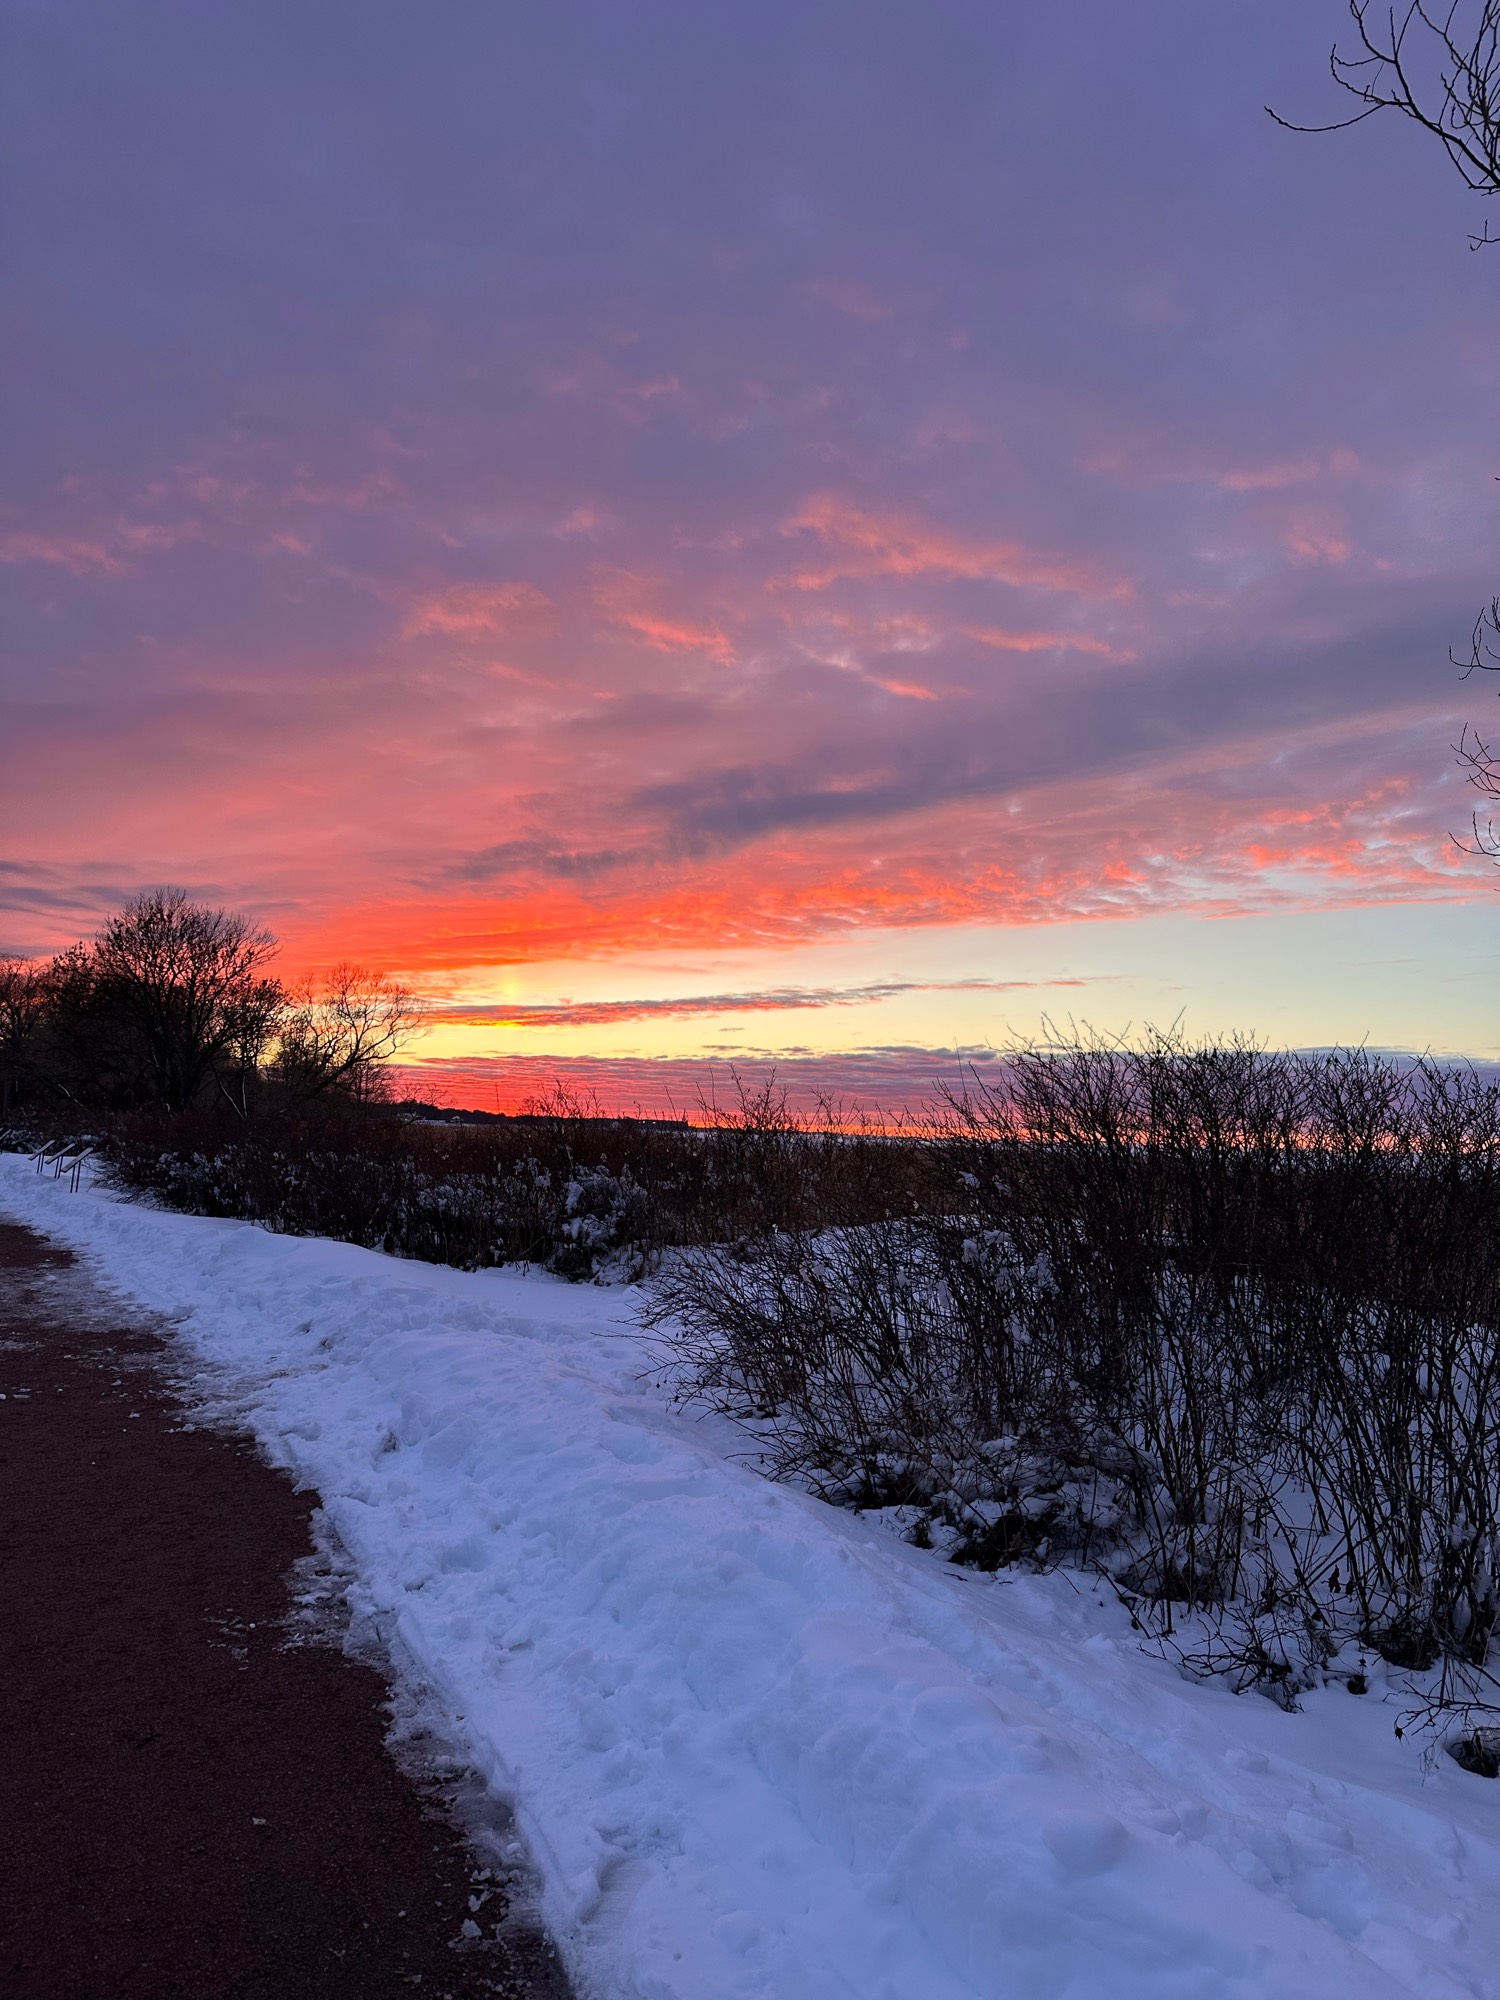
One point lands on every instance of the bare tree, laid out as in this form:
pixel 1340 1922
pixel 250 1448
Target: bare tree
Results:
pixel 172 1004
pixel 22 1007
pixel 86 1053
pixel 183 991
pixel 1439 66
pixel 334 1038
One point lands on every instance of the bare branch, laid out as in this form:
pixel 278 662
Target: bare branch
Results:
pixel 1439 67
pixel 335 1038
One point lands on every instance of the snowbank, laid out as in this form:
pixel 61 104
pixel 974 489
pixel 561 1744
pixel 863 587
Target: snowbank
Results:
pixel 760 1749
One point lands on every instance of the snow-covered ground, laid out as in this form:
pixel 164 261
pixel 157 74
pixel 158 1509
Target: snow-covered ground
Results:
pixel 762 1750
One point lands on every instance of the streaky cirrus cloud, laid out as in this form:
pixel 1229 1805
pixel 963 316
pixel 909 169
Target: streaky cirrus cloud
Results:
pixel 1045 642
pixel 465 610
pixel 76 556
pixel 880 1085
pixel 859 544
pixel 772 1000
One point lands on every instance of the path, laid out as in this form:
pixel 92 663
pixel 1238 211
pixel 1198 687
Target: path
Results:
pixel 190 1807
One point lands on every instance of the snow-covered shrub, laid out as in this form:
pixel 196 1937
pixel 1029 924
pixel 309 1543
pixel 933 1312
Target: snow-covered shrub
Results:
pixel 584 1195
pixel 1225 1324
pixel 605 1228
pixel 435 1195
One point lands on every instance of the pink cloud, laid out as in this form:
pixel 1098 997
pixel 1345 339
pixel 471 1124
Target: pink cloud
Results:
pixel 69 552
pixel 105 551
pixel 677 635
pixel 885 1084
pixel 464 610
pixel 897 632
pixel 1286 472
pixel 625 600
pixel 1044 642
pixel 848 296
pixel 907 690
pixel 1311 535
pixel 893 545
pixel 1156 463
pixel 633 400
pixel 375 490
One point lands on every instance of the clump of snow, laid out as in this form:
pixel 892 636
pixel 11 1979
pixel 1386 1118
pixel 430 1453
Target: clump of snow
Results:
pixel 760 1749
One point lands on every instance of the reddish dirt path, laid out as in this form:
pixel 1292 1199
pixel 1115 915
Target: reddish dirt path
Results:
pixel 190 1808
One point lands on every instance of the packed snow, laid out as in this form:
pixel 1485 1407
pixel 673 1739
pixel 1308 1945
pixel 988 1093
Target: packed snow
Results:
pixel 761 1749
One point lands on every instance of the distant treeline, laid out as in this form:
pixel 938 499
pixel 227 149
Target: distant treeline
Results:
pixel 541 1111
pixel 175 1007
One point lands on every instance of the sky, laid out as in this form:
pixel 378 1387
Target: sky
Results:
pixel 805 535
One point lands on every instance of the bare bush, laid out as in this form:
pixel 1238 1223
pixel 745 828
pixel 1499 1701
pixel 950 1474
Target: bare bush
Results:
pixel 1222 1321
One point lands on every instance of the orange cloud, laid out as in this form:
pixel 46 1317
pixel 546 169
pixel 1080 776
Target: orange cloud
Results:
pixel 1124 853
pixel 892 545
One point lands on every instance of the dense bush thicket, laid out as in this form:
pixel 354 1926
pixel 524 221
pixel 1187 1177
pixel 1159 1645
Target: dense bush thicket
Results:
pixel 584 1195
pixel 1222 1322
pixel 449 1195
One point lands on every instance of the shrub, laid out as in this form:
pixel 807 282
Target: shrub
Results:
pixel 1224 1323
pixel 578 1193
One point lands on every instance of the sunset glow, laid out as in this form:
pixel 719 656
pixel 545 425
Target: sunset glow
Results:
pixel 756 536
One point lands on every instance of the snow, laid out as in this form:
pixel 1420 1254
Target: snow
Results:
pixel 760 1749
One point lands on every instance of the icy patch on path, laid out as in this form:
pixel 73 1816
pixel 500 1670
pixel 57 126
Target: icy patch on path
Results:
pixel 761 1751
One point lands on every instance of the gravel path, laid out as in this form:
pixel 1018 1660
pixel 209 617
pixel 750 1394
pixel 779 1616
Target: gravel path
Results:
pixel 193 1804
